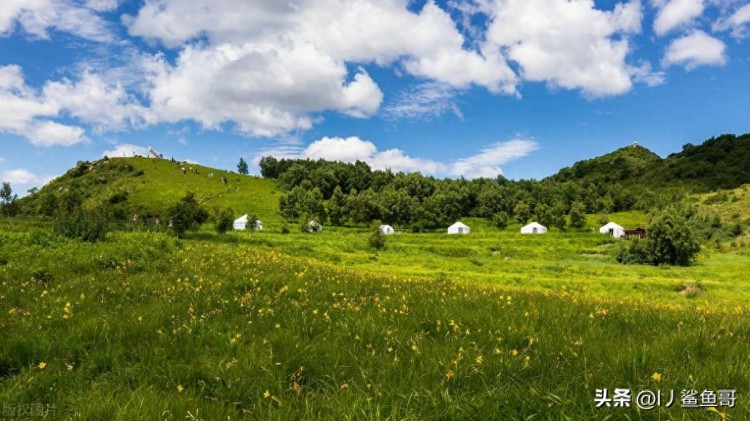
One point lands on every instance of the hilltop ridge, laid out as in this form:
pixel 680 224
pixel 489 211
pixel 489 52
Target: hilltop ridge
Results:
pixel 148 186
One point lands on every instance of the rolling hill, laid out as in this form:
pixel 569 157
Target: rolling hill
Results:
pixel 149 186
pixel 718 163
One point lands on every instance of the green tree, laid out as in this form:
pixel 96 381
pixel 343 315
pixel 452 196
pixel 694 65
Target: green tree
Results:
pixel 577 215
pixel 522 212
pixel 669 240
pixel 242 167
pixel 187 214
pixel 89 226
pixel 500 220
pixel 7 200
pixel 376 239
pixel 338 208
pixel 224 219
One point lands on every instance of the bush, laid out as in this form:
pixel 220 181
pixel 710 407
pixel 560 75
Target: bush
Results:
pixel 187 214
pixel 224 220
pixel 90 226
pixel 285 228
pixel 669 241
pixel 500 220
pixel 377 237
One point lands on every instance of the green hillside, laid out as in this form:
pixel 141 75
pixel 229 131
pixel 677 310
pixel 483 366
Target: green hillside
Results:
pixel 621 165
pixel 718 163
pixel 149 186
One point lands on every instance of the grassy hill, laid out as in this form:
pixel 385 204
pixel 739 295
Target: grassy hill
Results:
pixel 718 163
pixel 149 186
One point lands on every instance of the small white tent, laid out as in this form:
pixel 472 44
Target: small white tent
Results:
pixel 240 223
pixel 458 228
pixel 386 229
pixel 613 230
pixel 534 228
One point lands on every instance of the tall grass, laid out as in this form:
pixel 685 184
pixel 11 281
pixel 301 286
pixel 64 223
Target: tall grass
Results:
pixel 144 327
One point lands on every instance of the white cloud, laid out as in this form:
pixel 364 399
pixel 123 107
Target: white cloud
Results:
pixel 2 159
pixel 694 50
pixel 487 163
pixel 570 45
pixel 27 112
pixel 674 14
pixel 125 150
pixel 50 133
pixel 265 90
pixel 23 177
pixel 737 22
pixel 37 16
pixel 424 101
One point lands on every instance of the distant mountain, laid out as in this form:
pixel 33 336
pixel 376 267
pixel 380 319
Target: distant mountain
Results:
pixel 719 163
pixel 148 186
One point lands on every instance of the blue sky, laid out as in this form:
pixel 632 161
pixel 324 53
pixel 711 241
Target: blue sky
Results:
pixel 450 88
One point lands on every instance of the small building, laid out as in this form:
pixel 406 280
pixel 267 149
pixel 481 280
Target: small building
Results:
pixel 386 229
pixel 458 228
pixel 241 223
pixel 613 229
pixel 534 228
pixel 635 233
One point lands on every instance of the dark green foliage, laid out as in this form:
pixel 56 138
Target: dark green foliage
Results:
pixel 303 201
pixel 376 239
pixel 223 220
pixel 187 214
pixel 669 240
pixel 500 220
pixel 522 212
pixel 242 167
pixel 118 197
pixel 285 228
pixel 338 208
pixel 577 215
pixel 89 226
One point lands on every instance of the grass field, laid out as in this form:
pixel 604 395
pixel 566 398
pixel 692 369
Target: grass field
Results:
pixel 494 325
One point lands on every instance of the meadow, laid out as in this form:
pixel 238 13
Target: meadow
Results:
pixel 261 325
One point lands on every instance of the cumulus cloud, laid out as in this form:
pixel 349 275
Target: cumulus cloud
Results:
pixel 487 163
pixel 570 45
pixel 36 17
pixel 28 112
pixel 24 177
pixel 694 50
pixel 674 14
pixel 125 150
pixel 265 90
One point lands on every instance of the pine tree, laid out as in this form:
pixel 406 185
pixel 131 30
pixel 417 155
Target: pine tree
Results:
pixel 242 167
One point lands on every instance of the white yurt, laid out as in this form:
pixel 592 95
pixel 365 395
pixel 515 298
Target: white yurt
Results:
pixel 258 225
pixel 534 228
pixel 386 229
pixel 314 226
pixel 458 228
pixel 613 229
pixel 240 223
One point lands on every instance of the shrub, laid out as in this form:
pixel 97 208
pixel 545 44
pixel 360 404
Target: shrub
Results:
pixel 670 241
pixel 500 220
pixel 187 214
pixel 223 220
pixel 90 226
pixel 377 237
pixel 285 228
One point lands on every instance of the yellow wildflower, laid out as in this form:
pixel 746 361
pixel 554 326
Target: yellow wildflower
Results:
pixel 180 388
pixel 42 365
pixel 656 377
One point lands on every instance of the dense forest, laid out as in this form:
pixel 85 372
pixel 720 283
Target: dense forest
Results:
pixel 630 178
